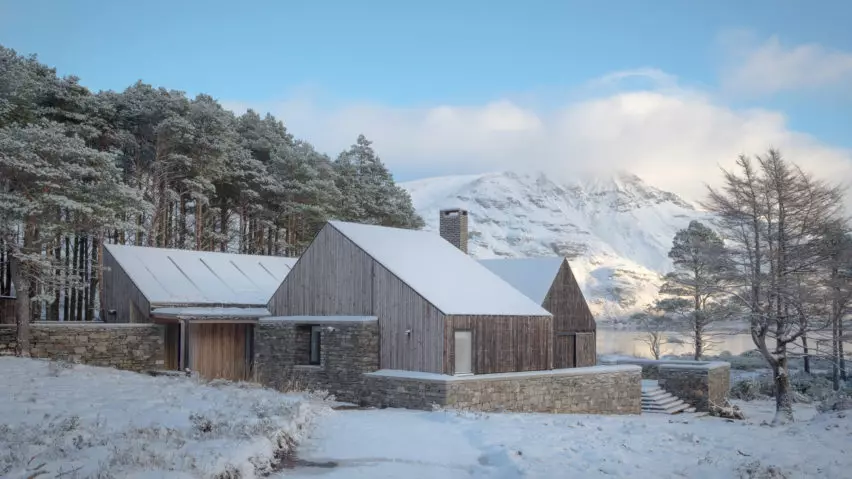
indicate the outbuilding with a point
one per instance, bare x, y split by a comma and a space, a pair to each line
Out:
209, 302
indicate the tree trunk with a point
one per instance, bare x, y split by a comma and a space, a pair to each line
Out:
840, 353
66, 304
806, 354
100, 285
81, 273
224, 216
57, 256
22, 309
93, 280
75, 260
783, 392
182, 223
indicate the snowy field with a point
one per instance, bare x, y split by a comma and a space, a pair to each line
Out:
81, 422
395, 443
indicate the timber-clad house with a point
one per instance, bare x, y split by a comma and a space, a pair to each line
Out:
435, 309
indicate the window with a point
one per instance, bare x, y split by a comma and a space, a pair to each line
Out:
315, 345
464, 352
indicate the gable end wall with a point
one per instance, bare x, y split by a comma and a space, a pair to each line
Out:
120, 293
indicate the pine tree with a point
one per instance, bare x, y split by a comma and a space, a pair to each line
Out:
369, 194
45, 169
693, 290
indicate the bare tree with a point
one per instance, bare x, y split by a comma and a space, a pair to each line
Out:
654, 329
773, 216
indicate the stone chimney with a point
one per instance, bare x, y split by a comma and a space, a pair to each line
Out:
453, 227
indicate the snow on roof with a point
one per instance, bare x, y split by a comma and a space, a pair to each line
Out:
214, 312
442, 274
171, 276
531, 276
320, 319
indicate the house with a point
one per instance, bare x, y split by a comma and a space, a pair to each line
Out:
550, 282
438, 310
403, 318
208, 302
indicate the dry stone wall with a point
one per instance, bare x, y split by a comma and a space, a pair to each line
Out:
349, 348
135, 347
697, 382
699, 385
591, 390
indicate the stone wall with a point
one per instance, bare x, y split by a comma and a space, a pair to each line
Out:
591, 390
697, 384
135, 347
349, 348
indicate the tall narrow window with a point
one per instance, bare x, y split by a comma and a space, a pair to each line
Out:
315, 344
464, 352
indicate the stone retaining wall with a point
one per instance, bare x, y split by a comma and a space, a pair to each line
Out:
591, 390
134, 347
696, 382
349, 348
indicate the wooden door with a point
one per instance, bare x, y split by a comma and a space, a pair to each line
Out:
219, 350
565, 351
172, 349
586, 350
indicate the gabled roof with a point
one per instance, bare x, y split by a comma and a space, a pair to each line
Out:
171, 276
531, 276
443, 275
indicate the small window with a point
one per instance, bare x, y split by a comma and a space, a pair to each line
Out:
315, 345
464, 352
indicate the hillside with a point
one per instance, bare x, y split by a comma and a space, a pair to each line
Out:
616, 231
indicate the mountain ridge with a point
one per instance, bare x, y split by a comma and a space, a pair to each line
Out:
615, 230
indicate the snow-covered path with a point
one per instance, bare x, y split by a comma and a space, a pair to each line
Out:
413, 444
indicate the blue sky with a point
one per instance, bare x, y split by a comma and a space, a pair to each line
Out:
316, 62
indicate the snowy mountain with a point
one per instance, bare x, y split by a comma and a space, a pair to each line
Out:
616, 231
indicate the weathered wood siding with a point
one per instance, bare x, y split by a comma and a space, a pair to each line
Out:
336, 277
400, 309
219, 350
564, 351
333, 277
586, 350
502, 344
121, 294
7, 310
566, 303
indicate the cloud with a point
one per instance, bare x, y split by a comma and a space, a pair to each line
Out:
771, 66
676, 139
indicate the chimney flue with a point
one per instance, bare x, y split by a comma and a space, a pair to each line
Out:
453, 226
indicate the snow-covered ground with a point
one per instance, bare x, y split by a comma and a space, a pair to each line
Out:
80, 422
411, 444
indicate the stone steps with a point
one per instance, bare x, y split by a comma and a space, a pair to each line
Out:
656, 400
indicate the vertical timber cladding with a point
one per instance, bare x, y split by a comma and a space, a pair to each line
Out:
411, 330
335, 277
573, 323
121, 294
332, 278
220, 350
502, 344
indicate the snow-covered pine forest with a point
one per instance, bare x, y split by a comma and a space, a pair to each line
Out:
151, 166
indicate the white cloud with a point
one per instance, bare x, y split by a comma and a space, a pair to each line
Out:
771, 66
675, 138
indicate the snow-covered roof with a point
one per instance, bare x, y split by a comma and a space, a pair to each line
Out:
320, 319
214, 312
170, 276
531, 276
442, 274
